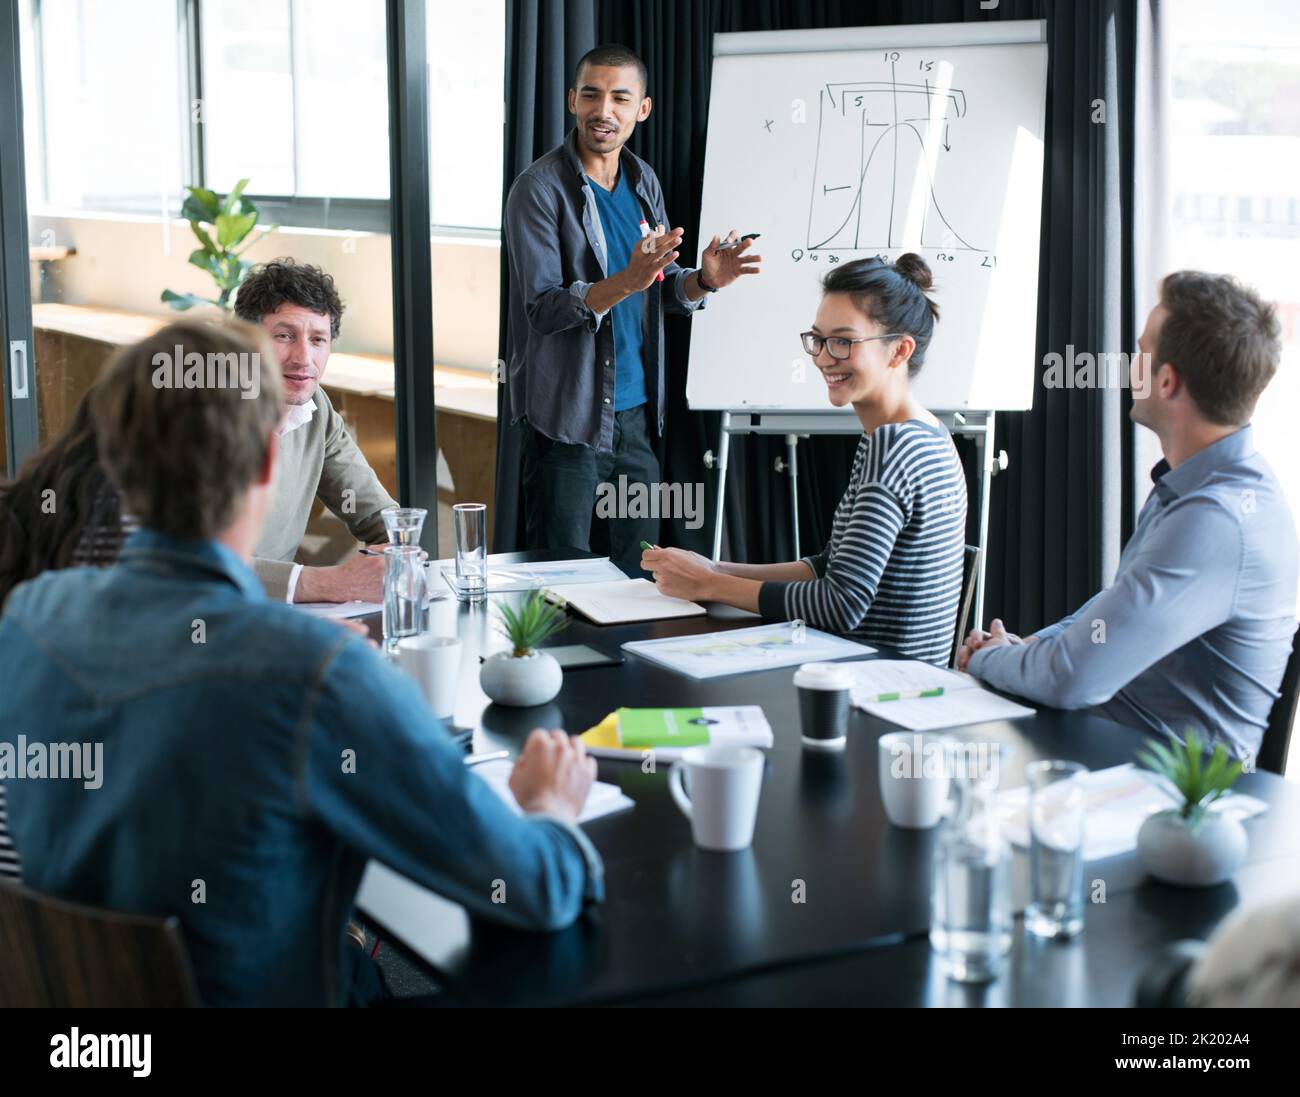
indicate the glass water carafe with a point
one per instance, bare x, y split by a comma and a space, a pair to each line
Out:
970, 898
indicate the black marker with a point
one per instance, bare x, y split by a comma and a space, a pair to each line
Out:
737, 243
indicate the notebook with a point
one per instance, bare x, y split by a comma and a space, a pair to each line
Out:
622, 602
630, 732
954, 698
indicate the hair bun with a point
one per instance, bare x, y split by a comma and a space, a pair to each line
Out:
915, 269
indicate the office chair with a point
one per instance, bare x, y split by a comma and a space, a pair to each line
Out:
1281, 720
969, 573
57, 953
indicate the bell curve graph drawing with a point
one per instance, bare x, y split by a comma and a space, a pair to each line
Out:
875, 137
924, 139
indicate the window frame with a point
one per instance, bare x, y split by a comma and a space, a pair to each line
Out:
284, 210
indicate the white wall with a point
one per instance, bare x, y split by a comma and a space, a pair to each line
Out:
125, 262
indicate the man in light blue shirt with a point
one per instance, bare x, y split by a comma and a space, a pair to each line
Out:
1196, 629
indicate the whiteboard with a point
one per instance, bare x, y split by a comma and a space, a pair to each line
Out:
925, 139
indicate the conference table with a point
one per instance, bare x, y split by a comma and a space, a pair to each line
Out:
831, 904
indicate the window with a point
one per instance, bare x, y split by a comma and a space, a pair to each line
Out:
112, 133
295, 97
466, 112
1234, 177
292, 94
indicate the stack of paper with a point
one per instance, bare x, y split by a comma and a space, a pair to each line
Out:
603, 799
889, 688
1118, 800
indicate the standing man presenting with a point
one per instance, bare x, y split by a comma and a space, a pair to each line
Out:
588, 290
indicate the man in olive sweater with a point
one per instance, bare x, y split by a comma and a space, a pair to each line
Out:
300, 309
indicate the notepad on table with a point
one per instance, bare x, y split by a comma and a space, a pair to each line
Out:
623, 601
630, 732
950, 699
338, 610
603, 799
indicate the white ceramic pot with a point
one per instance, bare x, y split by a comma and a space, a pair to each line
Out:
1197, 856
532, 680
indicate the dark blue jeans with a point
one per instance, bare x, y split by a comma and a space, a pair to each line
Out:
563, 482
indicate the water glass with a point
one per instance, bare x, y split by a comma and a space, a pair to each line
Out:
405, 594
404, 524
470, 523
1057, 806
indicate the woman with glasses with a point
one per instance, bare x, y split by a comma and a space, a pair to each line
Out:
891, 573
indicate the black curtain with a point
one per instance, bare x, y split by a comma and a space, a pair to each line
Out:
1060, 511
1063, 508
544, 39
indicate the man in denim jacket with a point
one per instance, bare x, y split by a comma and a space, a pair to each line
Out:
247, 758
587, 298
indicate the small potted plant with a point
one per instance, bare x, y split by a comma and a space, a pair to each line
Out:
523, 675
1190, 844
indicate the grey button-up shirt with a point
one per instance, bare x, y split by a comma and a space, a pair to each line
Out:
1196, 629
560, 352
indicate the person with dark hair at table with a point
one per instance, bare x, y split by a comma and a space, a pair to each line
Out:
300, 309
60, 510
891, 572
1195, 631
251, 758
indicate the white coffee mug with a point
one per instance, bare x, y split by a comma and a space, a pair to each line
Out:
434, 662
723, 803
914, 770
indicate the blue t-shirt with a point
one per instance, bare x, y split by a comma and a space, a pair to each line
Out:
620, 217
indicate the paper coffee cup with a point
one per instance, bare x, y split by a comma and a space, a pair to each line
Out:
823, 704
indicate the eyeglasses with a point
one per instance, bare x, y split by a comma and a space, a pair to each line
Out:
837, 346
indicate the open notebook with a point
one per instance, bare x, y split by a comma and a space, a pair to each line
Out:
621, 602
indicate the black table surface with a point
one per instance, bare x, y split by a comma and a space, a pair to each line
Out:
681, 924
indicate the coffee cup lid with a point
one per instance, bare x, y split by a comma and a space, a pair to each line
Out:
829, 676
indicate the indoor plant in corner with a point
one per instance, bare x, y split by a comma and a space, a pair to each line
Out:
1190, 844
523, 675
230, 221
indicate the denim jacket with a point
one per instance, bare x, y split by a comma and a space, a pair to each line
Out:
253, 759
561, 352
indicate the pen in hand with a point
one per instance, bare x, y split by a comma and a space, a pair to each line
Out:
737, 243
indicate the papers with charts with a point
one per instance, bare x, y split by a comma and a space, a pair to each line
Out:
508, 577
740, 651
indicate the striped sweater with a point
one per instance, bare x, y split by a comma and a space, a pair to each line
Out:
891, 574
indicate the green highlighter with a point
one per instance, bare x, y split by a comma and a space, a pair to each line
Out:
907, 695
647, 545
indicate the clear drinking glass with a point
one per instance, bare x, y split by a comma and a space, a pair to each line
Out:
405, 593
970, 898
470, 523
404, 524
1057, 807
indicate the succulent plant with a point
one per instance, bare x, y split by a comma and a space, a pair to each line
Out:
1199, 780
534, 621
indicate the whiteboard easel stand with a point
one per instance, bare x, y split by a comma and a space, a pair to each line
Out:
977, 425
